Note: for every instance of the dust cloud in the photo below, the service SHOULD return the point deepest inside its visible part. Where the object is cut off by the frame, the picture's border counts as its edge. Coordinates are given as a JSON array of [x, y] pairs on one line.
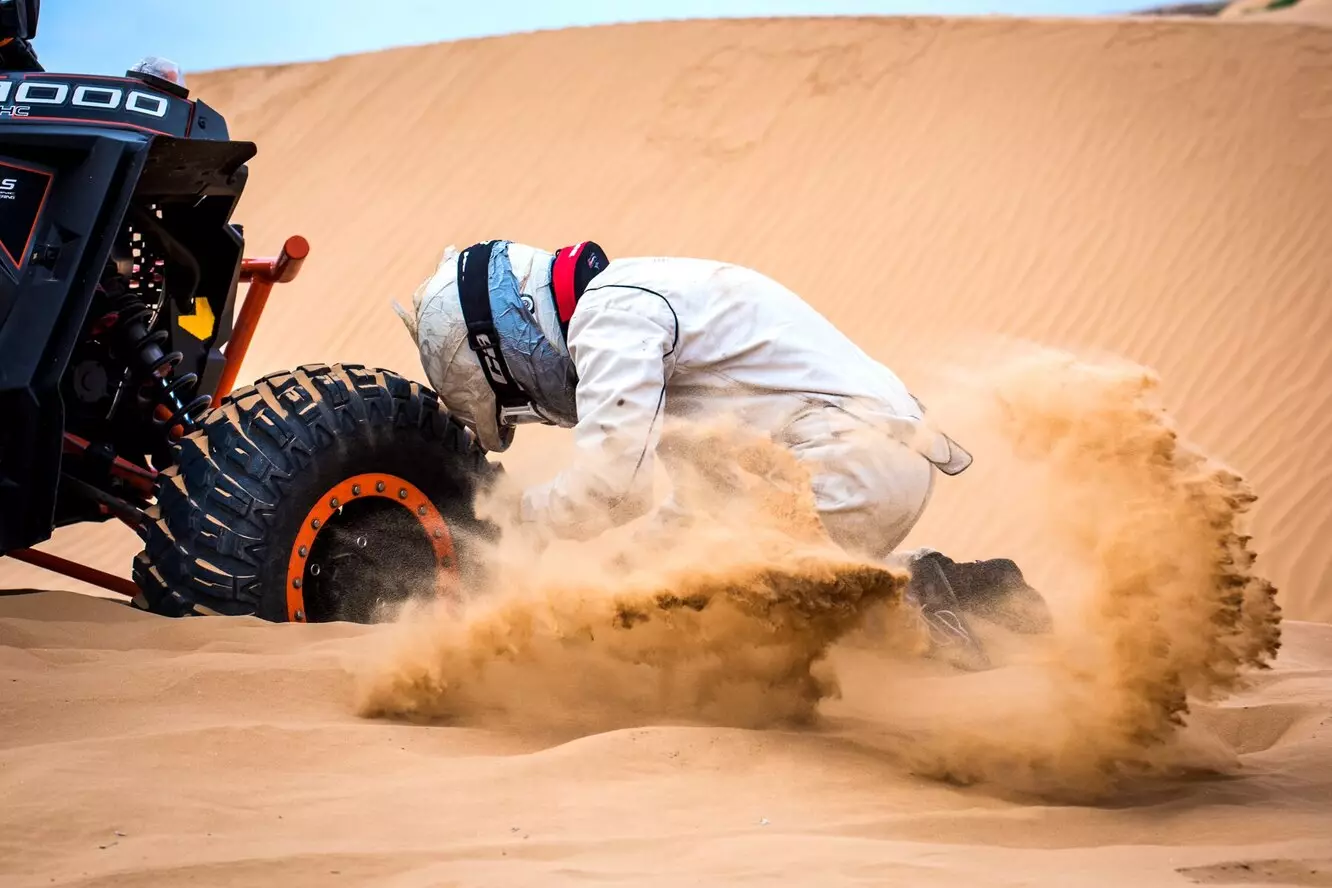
[[720, 618], [1166, 605], [730, 618]]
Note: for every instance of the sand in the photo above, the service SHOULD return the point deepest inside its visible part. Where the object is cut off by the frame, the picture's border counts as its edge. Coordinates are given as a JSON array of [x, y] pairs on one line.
[[1151, 189], [213, 752]]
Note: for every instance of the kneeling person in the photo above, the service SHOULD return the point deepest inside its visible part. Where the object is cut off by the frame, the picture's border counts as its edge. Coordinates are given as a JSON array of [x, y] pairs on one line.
[[510, 334]]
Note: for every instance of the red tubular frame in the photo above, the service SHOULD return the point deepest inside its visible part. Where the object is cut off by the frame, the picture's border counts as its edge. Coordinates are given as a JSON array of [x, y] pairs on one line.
[[75, 570], [141, 479], [261, 275]]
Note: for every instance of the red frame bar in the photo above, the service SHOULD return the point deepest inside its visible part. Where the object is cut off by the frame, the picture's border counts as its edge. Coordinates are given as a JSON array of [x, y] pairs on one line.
[[261, 274], [284, 268], [141, 479], [73, 569]]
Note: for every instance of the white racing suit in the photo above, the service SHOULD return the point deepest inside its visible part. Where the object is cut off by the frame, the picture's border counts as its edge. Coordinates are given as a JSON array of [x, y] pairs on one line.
[[659, 338]]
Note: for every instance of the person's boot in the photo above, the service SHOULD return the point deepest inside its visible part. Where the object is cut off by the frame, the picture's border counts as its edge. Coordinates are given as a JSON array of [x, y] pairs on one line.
[[931, 594], [995, 590]]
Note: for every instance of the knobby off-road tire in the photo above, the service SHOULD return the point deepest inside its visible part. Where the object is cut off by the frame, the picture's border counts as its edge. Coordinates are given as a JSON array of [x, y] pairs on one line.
[[225, 525]]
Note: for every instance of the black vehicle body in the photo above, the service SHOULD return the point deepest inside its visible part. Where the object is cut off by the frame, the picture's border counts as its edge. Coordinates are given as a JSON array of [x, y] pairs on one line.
[[119, 266]]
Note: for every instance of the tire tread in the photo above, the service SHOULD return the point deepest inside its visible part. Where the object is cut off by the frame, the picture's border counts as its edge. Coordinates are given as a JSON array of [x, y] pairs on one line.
[[207, 538]]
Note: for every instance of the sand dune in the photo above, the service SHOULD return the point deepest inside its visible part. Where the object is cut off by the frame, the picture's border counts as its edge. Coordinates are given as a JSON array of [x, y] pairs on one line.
[[1152, 189], [225, 752]]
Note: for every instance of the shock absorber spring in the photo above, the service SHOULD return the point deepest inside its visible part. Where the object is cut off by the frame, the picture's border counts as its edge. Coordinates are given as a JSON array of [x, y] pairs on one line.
[[143, 351]]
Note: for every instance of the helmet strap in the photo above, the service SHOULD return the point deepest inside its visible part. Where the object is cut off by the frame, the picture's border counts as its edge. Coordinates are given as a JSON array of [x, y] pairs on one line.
[[512, 405]]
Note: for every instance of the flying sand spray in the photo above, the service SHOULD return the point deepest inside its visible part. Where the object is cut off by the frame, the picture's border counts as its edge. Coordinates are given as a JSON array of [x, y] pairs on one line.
[[729, 619]]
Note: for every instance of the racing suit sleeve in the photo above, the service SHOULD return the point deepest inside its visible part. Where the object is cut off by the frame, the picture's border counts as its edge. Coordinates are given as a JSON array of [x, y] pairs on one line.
[[624, 350]]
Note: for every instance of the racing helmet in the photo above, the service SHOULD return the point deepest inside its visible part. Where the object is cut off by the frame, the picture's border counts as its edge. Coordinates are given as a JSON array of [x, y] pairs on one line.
[[490, 326]]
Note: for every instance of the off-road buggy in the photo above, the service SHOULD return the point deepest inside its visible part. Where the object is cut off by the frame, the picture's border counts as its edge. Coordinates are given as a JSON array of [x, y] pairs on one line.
[[310, 495]]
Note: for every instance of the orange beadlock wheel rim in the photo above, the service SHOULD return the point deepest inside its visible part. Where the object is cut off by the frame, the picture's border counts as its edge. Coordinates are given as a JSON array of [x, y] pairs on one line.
[[360, 487]]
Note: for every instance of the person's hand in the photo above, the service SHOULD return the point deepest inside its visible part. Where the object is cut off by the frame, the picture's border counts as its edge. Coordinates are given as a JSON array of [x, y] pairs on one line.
[[504, 506], [531, 535]]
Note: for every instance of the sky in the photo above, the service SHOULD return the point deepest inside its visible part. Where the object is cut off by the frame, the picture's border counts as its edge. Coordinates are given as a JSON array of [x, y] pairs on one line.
[[108, 36]]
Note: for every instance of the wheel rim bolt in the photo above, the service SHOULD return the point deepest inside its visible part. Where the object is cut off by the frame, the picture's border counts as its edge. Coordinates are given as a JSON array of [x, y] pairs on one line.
[[304, 551], [379, 487], [420, 510], [300, 616], [438, 534], [402, 493], [356, 490], [296, 582], [333, 502], [315, 523]]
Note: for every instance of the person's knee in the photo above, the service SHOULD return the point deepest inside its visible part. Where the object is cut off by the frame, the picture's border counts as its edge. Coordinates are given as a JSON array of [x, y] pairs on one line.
[[872, 502]]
